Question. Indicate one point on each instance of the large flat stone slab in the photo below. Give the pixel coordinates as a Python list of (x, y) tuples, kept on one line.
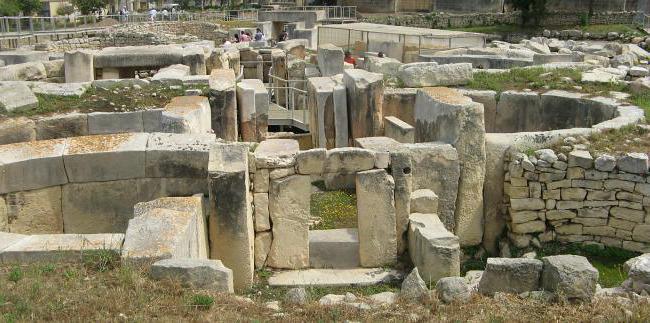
[(7, 239), (338, 248), (276, 153), (105, 157), (60, 247), (178, 155), (32, 165), (334, 277)]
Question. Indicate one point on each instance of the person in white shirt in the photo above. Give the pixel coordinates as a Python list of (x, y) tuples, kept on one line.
[(152, 14)]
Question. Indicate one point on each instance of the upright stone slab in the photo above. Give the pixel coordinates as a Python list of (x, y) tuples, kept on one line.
[(79, 66), (330, 59), (231, 215), (279, 61), (253, 109), (223, 104), (327, 103), (365, 95), (433, 250), (401, 170), (445, 115), (376, 218), (289, 199), (187, 114)]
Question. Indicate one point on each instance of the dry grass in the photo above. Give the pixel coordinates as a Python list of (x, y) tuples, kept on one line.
[(80, 292)]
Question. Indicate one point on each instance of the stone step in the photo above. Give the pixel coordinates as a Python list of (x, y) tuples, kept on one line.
[(334, 277), (334, 249)]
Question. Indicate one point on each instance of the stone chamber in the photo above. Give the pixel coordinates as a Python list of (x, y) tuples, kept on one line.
[(208, 180)]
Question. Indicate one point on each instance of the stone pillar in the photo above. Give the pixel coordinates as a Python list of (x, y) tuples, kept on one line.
[(445, 115), (296, 71), (376, 217), (289, 200), (327, 105), (252, 61), (279, 59), (365, 92), (253, 110), (79, 66), (223, 104), (195, 59), (401, 169), (330, 59), (231, 215)]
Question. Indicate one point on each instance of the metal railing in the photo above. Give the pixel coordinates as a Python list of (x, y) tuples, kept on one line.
[(333, 12)]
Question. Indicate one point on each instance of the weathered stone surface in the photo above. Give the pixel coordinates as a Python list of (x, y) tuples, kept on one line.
[(223, 104), (627, 214), (349, 160), (14, 130), (57, 248), (115, 122), (289, 200), (432, 74), (330, 59), (529, 227), (383, 65), (641, 233), (333, 277), (204, 274), (62, 126), (365, 97), (433, 249), (401, 170), (452, 289), (60, 89), (252, 109), (105, 157), (581, 158), (527, 204), (263, 241), (399, 130), (262, 220), (570, 277), (276, 153), (32, 165), (327, 103), (510, 275), (424, 201), (445, 115), (297, 296), (16, 97), (171, 75), (413, 287), (231, 215), (311, 162), (79, 66), (7, 239), (176, 155), (34, 212), (376, 218), (338, 248), (636, 163), (187, 114)]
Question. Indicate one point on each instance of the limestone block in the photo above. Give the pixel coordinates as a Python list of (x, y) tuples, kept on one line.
[(445, 115), (330, 59), (510, 275), (79, 66), (187, 114), (424, 201), (195, 59), (60, 89), (171, 75), (32, 165), (289, 200), (223, 104), (376, 217), (32, 71), (261, 181), (522, 204), (636, 163), (581, 158), (35, 211), (205, 274), (570, 277), (311, 162), (263, 241), (365, 96), (175, 155), (400, 103), (433, 249), (637, 216), (349, 160), (327, 103), (529, 227), (16, 97), (518, 111), (401, 170), (399, 130), (432, 74), (574, 194), (253, 109), (231, 215), (62, 126), (262, 220), (115, 122), (381, 146), (435, 166), (19, 129), (57, 248), (105, 157), (7, 239), (276, 153), (338, 248)]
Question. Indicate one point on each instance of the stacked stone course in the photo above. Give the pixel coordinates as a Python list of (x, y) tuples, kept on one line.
[(579, 198)]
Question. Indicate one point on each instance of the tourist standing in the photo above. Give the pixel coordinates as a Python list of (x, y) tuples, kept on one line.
[(152, 14), (283, 36), (349, 59), (259, 35)]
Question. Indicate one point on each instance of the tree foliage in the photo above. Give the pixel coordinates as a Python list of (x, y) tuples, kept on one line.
[(532, 11), (88, 6), (16, 7)]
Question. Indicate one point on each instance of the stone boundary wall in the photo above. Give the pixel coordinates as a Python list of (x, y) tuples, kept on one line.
[(445, 20), (579, 198), (187, 114), (90, 184)]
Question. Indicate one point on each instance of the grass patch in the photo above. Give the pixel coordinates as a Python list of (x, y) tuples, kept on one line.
[(498, 29), (642, 100), (106, 100), (620, 141), (101, 260), (201, 300), (336, 209), (539, 79), (619, 28)]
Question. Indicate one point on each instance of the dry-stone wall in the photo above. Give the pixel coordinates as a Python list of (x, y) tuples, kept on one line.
[(577, 197)]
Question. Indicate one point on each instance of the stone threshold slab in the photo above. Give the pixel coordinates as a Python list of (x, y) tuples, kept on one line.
[(334, 277)]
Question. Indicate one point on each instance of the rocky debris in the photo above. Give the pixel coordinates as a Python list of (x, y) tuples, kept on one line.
[(331, 299), (198, 273), (639, 274), (296, 296), (16, 97), (453, 289), (569, 277), (413, 287), (385, 298)]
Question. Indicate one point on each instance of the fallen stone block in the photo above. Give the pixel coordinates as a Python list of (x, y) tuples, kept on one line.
[(452, 289), (60, 89), (33, 71), (510, 275), (206, 274), (171, 75), (570, 277), (16, 97), (424, 201), (433, 250)]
